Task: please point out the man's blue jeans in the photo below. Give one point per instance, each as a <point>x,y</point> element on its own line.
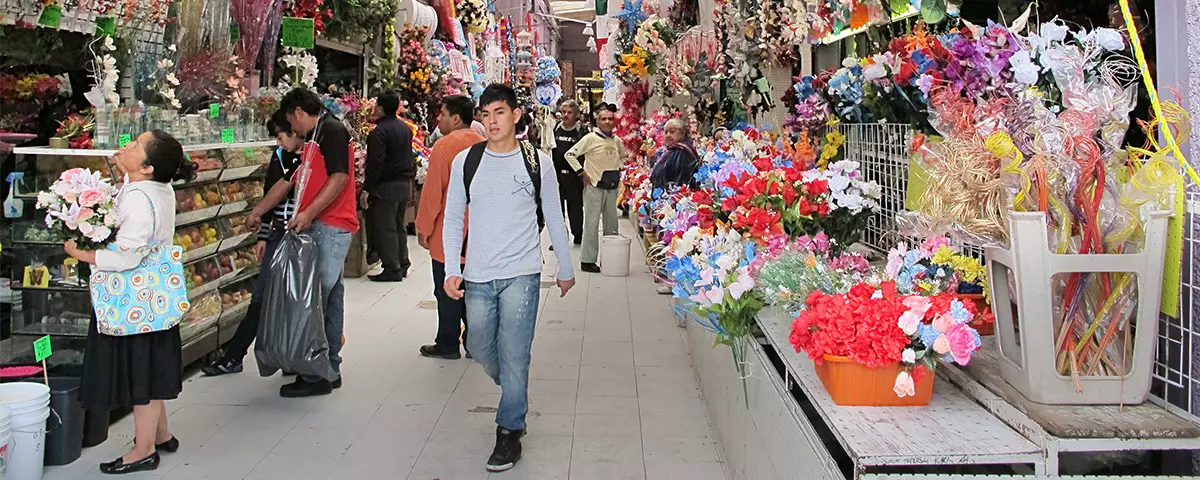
<point>332,246</point>
<point>501,315</point>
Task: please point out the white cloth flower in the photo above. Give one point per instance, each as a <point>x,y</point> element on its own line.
<point>1110,39</point>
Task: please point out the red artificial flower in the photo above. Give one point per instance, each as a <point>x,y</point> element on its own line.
<point>815,188</point>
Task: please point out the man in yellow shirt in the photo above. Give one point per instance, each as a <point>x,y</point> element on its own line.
<point>601,177</point>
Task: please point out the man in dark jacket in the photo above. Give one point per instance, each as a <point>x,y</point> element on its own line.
<point>387,186</point>
<point>570,185</point>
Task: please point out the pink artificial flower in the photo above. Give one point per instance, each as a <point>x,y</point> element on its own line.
<point>918,304</point>
<point>925,83</point>
<point>943,323</point>
<point>963,342</point>
<point>904,385</point>
<point>941,345</point>
<point>70,175</point>
<point>821,241</point>
<point>83,215</point>
<point>932,244</point>
<point>909,321</point>
<point>90,198</point>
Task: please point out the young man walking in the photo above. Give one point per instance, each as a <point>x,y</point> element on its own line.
<point>601,177</point>
<point>510,188</point>
<point>570,187</point>
<point>326,211</point>
<point>454,122</point>
<point>387,187</point>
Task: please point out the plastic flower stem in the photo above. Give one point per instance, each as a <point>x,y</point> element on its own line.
<point>1122,283</point>
<point>1001,146</point>
<point>1148,81</point>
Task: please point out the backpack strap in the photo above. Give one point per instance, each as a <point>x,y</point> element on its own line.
<point>533,167</point>
<point>474,156</point>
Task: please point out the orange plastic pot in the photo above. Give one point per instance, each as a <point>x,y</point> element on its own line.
<point>854,385</point>
<point>984,329</point>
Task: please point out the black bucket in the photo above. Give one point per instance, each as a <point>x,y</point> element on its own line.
<point>64,428</point>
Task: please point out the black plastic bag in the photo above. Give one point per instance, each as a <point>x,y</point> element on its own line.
<point>291,331</point>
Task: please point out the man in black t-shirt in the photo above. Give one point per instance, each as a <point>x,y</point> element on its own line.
<point>570,185</point>
<point>284,162</point>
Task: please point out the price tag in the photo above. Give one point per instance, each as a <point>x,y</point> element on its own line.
<point>106,26</point>
<point>124,139</point>
<point>214,110</point>
<point>762,85</point>
<point>226,135</point>
<point>297,32</point>
<point>249,152</point>
<point>41,348</point>
<point>51,16</point>
<point>235,33</point>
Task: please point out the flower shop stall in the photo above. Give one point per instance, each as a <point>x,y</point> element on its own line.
<point>1010,329</point>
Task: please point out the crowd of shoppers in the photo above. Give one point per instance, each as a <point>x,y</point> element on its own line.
<point>486,266</point>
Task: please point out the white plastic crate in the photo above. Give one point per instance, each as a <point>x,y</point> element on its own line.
<point>1028,349</point>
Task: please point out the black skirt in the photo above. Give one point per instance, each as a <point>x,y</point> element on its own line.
<point>121,372</point>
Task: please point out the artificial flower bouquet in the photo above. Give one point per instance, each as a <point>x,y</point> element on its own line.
<point>935,267</point>
<point>786,272</point>
<point>874,334</point>
<point>77,130</point>
<point>80,206</point>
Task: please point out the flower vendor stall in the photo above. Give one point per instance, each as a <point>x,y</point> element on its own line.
<point>952,232</point>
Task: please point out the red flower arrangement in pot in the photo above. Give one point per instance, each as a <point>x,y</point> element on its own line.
<point>873,346</point>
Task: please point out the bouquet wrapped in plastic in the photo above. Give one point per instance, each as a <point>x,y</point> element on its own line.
<point>80,206</point>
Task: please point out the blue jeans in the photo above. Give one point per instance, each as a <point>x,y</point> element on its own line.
<point>332,246</point>
<point>501,315</point>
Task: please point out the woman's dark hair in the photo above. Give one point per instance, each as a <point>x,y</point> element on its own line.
<point>498,92</point>
<point>165,154</point>
<point>389,102</point>
<point>304,99</point>
<point>461,107</point>
<point>279,123</point>
<point>606,106</point>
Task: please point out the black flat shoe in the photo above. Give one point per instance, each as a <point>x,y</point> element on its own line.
<point>119,467</point>
<point>589,267</point>
<point>432,351</point>
<point>169,446</point>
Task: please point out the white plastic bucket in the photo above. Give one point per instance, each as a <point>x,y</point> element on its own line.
<point>5,438</point>
<point>614,255</point>
<point>30,406</point>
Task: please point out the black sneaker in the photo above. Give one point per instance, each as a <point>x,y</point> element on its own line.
<point>337,383</point>
<point>301,388</point>
<point>507,451</point>
<point>387,276</point>
<point>432,351</point>
<point>589,267</point>
<point>579,240</point>
<point>223,367</point>
<point>468,353</point>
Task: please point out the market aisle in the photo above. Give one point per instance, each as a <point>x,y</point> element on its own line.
<point>612,397</point>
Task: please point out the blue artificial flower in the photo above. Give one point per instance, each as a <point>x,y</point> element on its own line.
<point>657,193</point>
<point>749,253</point>
<point>959,312</point>
<point>928,334</point>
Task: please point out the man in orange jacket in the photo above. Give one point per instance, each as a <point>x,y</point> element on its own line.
<point>454,122</point>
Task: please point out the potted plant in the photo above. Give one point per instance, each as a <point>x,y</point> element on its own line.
<point>74,132</point>
<point>874,346</point>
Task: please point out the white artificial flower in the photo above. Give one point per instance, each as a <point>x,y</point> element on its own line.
<point>852,202</point>
<point>849,62</point>
<point>172,79</point>
<point>838,183</point>
<point>98,233</point>
<point>1024,70</point>
<point>909,356</point>
<point>874,71</point>
<point>109,44</point>
<point>1054,32</point>
<point>1110,39</point>
<point>870,189</point>
<point>172,47</point>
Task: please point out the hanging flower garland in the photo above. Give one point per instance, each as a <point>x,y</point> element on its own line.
<point>385,65</point>
<point>473,15</point>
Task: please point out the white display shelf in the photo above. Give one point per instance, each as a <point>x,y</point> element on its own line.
<point>73,152</point>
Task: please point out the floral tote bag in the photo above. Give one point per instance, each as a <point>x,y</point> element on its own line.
<point>150,297</point>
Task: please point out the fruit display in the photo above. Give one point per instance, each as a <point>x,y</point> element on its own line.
<point>200,274</point>
<point>239,190</point>
<point>236,261</point>
<point>207,161</point>
<point>237,295</point>
<point>193,237</point>
<point>207,306</point>
<point>197,198</point>
<point>244,157</point>
<point>235,225</point>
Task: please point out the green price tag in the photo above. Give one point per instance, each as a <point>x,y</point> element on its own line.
<point>41,348</point>
<point>226,135</point>
<point>124,139</point>
<point>235,33</point>
<point>51,16</point>
<point>249,152</point>
<point>762,85</point>
<point>297,32</point>
<point>106,26</point>
<point>214,110</point>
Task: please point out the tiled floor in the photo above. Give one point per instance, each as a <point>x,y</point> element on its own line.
<point>612,397</point>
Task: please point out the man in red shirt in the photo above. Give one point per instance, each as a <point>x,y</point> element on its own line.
<point>326,211</point>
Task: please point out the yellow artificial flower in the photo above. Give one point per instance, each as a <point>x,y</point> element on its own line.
<point>969,270</point>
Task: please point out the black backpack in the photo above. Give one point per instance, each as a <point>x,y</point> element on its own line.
<point>532,166</point>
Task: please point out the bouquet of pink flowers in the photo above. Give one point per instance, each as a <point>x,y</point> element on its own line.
<point>80,206</point>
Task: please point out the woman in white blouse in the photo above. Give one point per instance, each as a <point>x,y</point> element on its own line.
<point>142,370</point>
